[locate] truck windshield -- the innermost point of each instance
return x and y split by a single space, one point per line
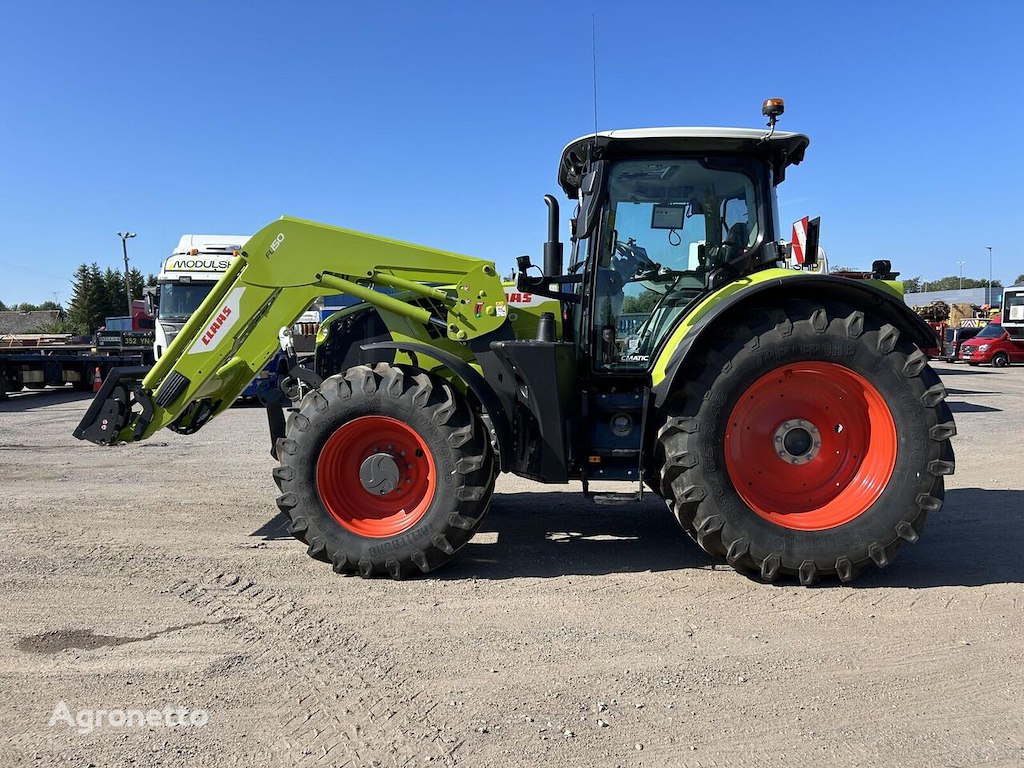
990 331
179 300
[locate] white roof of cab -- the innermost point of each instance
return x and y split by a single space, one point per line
206 243
782 147
680 132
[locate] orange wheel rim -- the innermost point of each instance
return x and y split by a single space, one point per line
376 476
810 446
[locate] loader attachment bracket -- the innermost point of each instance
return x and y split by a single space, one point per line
114 408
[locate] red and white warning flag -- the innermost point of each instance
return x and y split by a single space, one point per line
800 239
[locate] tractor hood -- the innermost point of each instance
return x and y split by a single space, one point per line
781 150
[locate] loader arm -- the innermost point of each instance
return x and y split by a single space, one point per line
284 267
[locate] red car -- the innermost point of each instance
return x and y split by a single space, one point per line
992 345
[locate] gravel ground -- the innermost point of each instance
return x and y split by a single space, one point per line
160 575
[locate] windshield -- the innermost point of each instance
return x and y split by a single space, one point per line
990 331
179 300
1013 305
669 223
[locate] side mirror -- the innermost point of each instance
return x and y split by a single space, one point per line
804 245
149 302
813 236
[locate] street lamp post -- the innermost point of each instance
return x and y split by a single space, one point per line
127 288
961 264
989 274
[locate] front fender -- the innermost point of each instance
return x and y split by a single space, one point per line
476 383
775 286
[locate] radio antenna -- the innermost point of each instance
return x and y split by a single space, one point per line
593 52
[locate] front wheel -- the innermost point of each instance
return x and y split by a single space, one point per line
384 470
809 445
1000 360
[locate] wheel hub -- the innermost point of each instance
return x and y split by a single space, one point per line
797 441
376 476
379 474
826 461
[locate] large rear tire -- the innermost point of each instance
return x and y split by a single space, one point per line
813 442
384 470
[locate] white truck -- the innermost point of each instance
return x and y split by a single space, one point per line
187 277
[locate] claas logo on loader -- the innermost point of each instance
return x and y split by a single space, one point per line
219 326
519 298
215 326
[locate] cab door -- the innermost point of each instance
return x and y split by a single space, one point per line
1016 348
667 225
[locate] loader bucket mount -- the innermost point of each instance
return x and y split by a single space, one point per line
120 404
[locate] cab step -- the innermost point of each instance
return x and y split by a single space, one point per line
611 499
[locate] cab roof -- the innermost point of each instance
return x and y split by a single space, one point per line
781 149
210 243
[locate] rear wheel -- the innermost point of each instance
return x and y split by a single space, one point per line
810 445
1000 360
84 382
384 470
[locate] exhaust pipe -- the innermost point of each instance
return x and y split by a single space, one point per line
553 247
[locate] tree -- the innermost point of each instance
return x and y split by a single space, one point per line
86 310
3 307
948 283
912 285
645 302
1019 280
136 282
113 294
953 282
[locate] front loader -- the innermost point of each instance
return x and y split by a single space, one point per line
788 418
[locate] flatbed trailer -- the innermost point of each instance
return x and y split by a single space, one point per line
36 367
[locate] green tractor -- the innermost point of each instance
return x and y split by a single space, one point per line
788 418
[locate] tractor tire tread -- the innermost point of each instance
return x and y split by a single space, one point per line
684 469
366 389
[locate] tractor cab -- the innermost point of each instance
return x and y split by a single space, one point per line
665 216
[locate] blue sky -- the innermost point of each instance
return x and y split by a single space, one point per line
441 123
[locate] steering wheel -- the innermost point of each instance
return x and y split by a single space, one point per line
635 257
643 269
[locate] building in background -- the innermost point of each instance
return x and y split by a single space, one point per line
979 296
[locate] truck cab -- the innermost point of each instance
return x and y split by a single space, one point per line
187 276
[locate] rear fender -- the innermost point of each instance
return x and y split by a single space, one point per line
776 286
